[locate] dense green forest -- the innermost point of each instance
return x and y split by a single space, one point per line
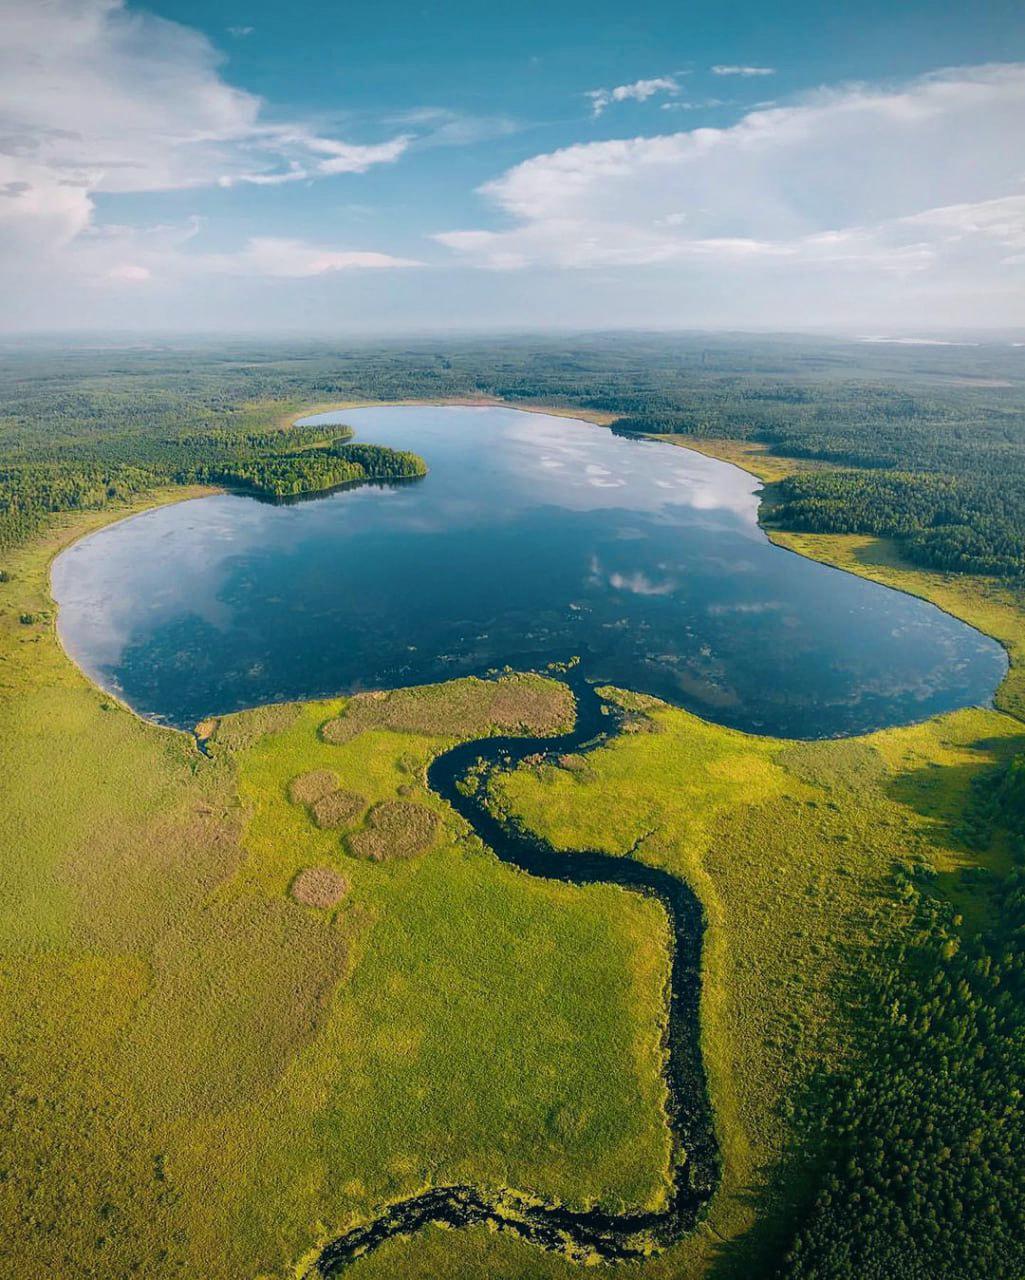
928 1128
36 480
929 441
968 523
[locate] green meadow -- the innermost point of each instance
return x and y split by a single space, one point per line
203 1075
791 848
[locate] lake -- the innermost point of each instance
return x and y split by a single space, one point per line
533 539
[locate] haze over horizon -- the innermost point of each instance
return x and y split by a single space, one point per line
236 165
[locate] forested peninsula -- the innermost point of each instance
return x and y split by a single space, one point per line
920 444
270 472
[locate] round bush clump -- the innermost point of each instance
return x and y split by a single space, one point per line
319 887
338 808
339 731
310 787
395 829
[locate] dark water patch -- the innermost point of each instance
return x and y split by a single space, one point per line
532 539
614 1237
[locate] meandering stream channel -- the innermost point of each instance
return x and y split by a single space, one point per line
613 1237
531 540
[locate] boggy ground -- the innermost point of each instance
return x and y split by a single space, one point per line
202 1076
791 848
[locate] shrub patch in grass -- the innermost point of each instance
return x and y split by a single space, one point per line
337 809
319 887
329 804
395 829
310 787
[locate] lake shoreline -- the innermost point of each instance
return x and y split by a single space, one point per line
758 647
94 520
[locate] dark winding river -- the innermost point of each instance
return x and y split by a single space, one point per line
614 1237
532 539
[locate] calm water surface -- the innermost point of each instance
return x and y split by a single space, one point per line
532 539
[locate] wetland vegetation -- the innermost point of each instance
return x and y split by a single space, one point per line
229 1040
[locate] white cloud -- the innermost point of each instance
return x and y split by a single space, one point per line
296 259
728 69
100 100
638 91
1002 221
861 183
303 155
136 257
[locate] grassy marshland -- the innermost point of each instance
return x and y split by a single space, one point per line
791 848
203 1072
201 1076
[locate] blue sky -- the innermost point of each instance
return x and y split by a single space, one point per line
397 167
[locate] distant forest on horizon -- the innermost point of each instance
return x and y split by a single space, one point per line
925 444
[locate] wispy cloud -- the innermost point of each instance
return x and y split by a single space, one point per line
857 183
294 155
98 99
138 258
698 104
731 69
637 91
272 256
443 127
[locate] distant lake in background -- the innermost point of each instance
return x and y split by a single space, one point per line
533 539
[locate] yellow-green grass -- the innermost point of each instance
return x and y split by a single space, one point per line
205 1078
514 703
199 1075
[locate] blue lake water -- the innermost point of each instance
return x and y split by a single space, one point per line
533 539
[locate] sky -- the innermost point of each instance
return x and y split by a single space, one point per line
331 167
